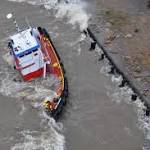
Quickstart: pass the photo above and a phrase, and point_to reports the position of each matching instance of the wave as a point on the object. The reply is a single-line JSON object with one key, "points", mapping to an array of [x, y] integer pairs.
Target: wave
{"points": [[47, 139], [124, 95], [49, 136], [72, 9]]}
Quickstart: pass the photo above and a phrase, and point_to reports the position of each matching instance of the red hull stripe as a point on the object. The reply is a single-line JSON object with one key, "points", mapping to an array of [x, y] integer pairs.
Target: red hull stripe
{"points": [[33, 75], [54, 66]]}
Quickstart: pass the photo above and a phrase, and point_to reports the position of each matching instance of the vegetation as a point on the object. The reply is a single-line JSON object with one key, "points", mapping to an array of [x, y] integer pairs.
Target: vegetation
{"points": [[116, 18], [148, 4]]}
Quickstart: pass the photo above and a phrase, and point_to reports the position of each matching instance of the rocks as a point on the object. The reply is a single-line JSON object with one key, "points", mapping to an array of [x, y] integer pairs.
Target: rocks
{"points": [[128, 35], [108, 24], [110, 36], [144, 74], [127, 58], [136, 30], [146, 92], [137, 69], [93, 46], [134, 97]]}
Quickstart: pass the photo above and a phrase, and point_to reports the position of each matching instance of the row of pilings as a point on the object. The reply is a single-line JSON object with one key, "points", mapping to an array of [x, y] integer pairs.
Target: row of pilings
{"points": [[116, 69]]}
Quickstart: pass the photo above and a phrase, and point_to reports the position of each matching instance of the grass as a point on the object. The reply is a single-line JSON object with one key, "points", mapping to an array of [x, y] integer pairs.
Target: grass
{"points": [[116, 18]]}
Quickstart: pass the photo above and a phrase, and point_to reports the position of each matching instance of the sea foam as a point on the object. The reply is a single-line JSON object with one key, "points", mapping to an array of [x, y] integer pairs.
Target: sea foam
{"points": [[74, 10]]}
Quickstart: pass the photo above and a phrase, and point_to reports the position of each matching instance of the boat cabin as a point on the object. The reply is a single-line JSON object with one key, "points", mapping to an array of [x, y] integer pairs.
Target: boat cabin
{"points": [[27, 53]]}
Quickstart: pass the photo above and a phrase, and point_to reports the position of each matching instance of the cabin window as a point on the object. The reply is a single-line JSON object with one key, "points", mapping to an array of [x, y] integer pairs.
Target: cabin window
{"points": [[35, 50], [21, 56], [27, 53], [15, 49], [35, 54]]}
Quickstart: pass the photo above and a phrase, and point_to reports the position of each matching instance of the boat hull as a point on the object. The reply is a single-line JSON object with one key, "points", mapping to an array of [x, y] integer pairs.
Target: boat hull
{"points": [[33, 75], [56, 68], [51, 61]]}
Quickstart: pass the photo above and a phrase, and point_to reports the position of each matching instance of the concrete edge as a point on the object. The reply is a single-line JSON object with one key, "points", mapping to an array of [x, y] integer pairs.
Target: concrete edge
{"points": [[120, 71]]}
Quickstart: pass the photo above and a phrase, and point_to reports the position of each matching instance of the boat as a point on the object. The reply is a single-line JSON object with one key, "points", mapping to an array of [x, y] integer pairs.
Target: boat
{"points": [[35, 56]]}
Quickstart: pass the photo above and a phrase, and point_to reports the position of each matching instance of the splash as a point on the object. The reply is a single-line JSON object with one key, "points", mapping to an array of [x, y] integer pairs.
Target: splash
{"points": [[11, 85], [47, 139], [74, 10], [75, 14], [119, 95]]}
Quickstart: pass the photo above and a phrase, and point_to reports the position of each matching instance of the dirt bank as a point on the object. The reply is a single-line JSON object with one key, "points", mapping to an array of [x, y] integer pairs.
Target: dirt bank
{"points": [[124, 26]]}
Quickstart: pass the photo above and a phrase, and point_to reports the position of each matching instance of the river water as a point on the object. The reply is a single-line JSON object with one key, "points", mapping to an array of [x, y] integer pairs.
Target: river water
{"points": [[98, 114]]}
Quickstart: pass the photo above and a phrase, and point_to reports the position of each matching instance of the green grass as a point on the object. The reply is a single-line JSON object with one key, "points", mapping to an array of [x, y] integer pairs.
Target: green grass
{"points": [[116, 18]]}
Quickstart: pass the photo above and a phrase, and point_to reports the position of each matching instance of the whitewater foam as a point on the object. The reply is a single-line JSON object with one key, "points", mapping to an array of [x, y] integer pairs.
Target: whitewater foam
{"points": [[72, 9], [11, 85], [47, 140], [75, 13], [123, 94], [48, 137]]}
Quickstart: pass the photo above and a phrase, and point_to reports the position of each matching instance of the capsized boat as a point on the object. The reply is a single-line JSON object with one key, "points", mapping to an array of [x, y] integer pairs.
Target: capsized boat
{"points": [[35, 56]]}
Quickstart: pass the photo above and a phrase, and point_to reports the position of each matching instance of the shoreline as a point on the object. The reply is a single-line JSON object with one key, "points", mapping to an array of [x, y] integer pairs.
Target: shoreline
{"points": [[120, 30], [117, 68]]}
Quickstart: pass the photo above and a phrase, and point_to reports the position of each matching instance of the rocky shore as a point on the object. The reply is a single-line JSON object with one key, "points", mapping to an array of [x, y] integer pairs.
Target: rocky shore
{"points": [[122, 28]]}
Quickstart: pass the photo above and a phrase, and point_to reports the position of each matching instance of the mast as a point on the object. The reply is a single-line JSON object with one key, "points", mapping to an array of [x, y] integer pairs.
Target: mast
{"points": [[13, 17], [27, 22]]}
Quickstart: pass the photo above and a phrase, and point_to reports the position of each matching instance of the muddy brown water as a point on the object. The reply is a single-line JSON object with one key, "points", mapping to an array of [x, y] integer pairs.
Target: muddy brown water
{"points": [[91, 120]]}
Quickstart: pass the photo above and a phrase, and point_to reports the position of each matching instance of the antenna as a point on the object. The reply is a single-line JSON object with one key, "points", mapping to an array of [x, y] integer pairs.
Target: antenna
{"points": [[12, 16], [27, 22]]}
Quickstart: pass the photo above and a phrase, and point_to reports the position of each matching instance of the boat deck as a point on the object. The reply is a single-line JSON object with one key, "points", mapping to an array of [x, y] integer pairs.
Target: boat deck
{"points": [[54, 66]]}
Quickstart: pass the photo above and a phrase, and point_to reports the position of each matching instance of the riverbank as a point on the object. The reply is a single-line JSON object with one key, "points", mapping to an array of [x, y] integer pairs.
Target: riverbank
{"points": [[122, 27], [92, 119]]}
